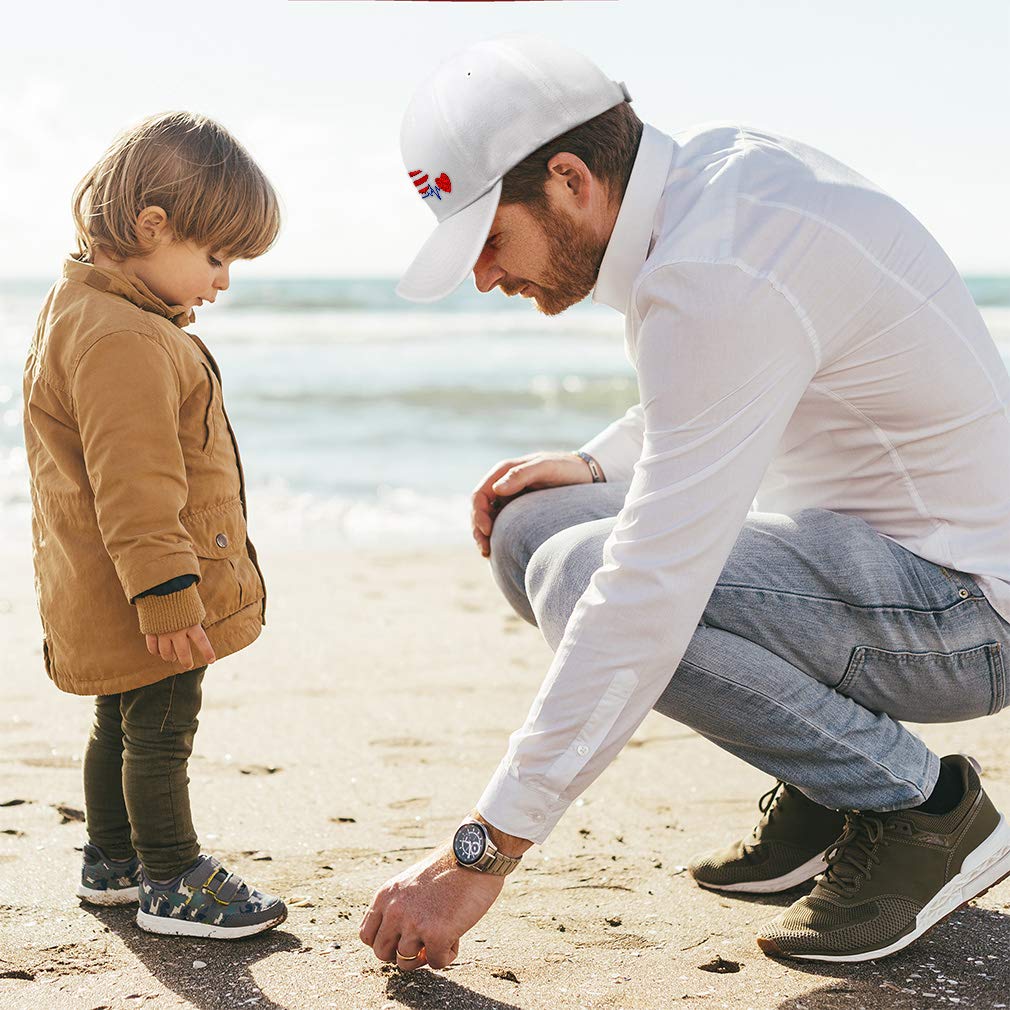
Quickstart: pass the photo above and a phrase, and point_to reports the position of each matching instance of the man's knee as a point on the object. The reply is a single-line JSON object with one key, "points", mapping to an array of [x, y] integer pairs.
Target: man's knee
{"points": [[558, 573], [510, 553]]}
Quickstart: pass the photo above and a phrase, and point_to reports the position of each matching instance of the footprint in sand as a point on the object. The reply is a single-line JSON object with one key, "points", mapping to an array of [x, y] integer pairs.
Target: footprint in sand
{"points": [[399, 741], [412, 803], [259, 769]]}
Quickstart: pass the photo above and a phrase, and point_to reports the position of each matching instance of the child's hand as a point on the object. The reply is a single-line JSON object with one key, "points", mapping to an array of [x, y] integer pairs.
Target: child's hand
{"points": [[179, 645]]}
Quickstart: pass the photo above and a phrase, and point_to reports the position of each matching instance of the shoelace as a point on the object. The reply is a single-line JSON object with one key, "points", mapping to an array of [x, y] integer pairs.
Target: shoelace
{"points": [[768, 806], [852, 858]]}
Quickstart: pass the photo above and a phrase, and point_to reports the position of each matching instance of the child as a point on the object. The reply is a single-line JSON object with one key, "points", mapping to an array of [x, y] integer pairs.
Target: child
{"points": [[142, 565]]}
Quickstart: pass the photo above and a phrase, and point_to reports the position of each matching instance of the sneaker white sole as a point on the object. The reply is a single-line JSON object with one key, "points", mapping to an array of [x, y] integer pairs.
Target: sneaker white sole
{"points": [[983, 868], [183, 927], [120, 896], [794, 878]]}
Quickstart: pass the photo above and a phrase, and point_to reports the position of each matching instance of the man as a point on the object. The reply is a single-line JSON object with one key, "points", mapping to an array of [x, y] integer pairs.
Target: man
{"points": [[799, 536]]}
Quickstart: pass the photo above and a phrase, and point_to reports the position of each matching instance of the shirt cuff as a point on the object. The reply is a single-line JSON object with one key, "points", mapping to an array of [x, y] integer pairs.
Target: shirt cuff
{"points": [[518, 809], [161, 615]]}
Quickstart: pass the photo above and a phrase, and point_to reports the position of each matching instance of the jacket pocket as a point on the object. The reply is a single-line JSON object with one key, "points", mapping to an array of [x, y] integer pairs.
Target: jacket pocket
{"points": [[210, 415], [228, 578], [927, 686]]}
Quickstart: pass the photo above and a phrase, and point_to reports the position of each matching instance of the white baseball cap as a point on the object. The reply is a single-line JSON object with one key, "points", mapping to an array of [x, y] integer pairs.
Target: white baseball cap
{"points": [[478, 115]]}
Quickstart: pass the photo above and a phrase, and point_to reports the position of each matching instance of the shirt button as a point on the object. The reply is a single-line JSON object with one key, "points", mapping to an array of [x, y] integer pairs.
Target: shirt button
{"points": [[583, 749], [537, 816], [221, 540]]}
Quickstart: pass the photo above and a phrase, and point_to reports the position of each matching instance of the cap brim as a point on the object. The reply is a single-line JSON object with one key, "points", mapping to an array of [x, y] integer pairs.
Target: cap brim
{"points": [[451, 251]]}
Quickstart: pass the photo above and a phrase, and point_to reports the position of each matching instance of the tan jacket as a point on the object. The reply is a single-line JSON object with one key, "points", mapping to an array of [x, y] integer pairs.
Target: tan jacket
{"points": [[135, 479]]}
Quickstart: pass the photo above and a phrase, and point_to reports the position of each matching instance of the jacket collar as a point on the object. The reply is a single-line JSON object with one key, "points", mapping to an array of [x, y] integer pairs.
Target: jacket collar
{"points": [[133, 289], [631, 240]]}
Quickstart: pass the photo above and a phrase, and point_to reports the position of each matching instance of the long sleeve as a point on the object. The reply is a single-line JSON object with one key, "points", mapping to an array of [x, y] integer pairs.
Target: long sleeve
{"points": [[126, 398], [723, 359], [618, 447]]}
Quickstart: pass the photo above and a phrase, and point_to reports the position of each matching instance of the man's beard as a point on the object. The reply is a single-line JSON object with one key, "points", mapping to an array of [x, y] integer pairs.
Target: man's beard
{"points": [[573, 263]]}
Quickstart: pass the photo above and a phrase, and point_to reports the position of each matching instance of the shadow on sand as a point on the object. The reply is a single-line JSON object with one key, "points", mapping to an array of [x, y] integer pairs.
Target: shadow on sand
{"points": [[227, 981], [428, 990], [948, 964]]}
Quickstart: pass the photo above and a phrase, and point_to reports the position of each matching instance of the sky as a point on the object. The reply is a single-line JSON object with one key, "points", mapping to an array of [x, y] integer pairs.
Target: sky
{"points": [[913, 94]]}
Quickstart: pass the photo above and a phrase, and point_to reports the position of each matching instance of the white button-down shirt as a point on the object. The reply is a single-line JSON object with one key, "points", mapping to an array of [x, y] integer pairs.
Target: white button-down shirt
{"points": [[800, 340]]}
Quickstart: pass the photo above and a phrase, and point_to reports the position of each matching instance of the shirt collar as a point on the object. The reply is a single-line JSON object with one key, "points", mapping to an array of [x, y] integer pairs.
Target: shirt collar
{"points": [[131, 288], [631, 238]]}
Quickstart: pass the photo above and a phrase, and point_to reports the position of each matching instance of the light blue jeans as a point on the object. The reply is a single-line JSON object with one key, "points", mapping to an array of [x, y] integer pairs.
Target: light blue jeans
{"points": [[819, 636]]}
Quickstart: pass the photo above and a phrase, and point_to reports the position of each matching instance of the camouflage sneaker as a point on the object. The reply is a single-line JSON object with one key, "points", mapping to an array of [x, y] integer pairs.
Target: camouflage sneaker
{"points": [[894, 875], [785, 848], [206, 900], [106, 881]]}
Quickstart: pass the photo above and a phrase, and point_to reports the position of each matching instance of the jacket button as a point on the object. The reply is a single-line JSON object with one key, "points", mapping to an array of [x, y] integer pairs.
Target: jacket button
{"points": [[221, 540]]}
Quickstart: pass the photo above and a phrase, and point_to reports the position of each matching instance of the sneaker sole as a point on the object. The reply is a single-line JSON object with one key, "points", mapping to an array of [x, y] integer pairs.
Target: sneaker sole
{"points": [[182, 927], [119, 896], [983, 869], [794, 878]]}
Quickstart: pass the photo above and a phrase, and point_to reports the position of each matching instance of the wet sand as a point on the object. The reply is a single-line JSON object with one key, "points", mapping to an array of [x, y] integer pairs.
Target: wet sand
{"points": [[353, 736]]}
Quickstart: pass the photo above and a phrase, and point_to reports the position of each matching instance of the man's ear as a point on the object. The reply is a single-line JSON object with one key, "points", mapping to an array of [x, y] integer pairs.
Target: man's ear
{"points": [[574, 176], [152, 226]]}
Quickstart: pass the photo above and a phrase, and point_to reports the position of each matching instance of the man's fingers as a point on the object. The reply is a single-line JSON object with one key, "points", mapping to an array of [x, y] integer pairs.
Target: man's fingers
{"points": [[409, 952], [152, 644], [441, 956], [483, 544], [202, 642], [493, 474], [386, 939], [480, 514], [370, 926], [517, 479], [165, 648]]}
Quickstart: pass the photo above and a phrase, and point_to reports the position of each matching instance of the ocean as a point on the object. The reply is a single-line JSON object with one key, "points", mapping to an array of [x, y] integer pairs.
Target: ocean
{"points": [[365, 419]]}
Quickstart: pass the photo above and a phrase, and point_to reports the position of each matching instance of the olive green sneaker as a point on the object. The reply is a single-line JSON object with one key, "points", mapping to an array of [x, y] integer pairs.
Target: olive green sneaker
{"points": [[892, 876], [785, 848]]}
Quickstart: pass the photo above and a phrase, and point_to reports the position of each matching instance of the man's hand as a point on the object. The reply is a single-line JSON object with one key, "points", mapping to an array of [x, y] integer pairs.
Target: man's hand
{"points": [[512, 477], [178, 645], [426, 909]]}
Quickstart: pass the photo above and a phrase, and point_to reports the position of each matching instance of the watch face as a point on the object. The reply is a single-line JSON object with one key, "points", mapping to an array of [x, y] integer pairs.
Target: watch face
{"points": [[469, 844]]}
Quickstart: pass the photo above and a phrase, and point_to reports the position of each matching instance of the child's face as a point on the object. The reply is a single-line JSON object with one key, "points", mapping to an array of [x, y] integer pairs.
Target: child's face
{"points": [[180, 273]]}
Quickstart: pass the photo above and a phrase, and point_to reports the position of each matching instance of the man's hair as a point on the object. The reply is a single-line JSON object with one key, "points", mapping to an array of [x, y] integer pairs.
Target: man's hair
{"points": [[607, 143], [211, 189]]}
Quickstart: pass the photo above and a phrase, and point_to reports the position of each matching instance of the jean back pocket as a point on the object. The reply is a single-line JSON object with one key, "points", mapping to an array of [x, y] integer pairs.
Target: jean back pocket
{"points": [[927, 686]]}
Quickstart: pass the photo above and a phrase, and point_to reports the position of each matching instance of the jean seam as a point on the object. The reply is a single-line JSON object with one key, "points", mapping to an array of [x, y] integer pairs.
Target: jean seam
{"points": [[901, 608], [819, 729], [851, 670], [998, 678]]}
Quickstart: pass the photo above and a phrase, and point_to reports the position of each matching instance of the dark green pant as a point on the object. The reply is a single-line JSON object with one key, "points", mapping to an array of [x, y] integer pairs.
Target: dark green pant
{"points": [[136, 786]]}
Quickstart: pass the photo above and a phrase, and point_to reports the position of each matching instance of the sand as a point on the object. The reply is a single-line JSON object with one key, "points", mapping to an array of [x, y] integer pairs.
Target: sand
{"points": [[353, 736]]}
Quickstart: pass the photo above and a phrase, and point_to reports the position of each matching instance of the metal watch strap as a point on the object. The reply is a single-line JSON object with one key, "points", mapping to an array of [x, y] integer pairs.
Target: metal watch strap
{"points": [[501, 864], [594, 467]]}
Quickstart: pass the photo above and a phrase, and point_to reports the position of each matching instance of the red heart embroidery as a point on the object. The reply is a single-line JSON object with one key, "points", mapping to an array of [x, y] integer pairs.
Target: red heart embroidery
{"points": [[443, 183]]}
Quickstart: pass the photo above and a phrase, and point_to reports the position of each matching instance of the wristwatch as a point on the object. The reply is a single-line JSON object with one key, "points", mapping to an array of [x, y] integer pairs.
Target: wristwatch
{"points": [[474, 850]]}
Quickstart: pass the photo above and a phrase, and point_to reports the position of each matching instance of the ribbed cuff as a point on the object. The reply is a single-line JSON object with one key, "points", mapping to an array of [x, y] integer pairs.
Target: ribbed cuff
{"points": [[161, 615]]}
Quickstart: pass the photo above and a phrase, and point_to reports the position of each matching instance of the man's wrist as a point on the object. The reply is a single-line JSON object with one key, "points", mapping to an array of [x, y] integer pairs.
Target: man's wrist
{"points": [[508, 845]]}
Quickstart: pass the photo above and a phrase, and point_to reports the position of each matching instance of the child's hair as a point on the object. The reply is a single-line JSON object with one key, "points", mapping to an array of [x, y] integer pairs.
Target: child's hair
{"points": [[211, 189]]}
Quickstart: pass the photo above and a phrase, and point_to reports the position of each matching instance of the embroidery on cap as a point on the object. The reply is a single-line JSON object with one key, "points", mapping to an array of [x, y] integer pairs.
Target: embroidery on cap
{"points": [[441, 185]]}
